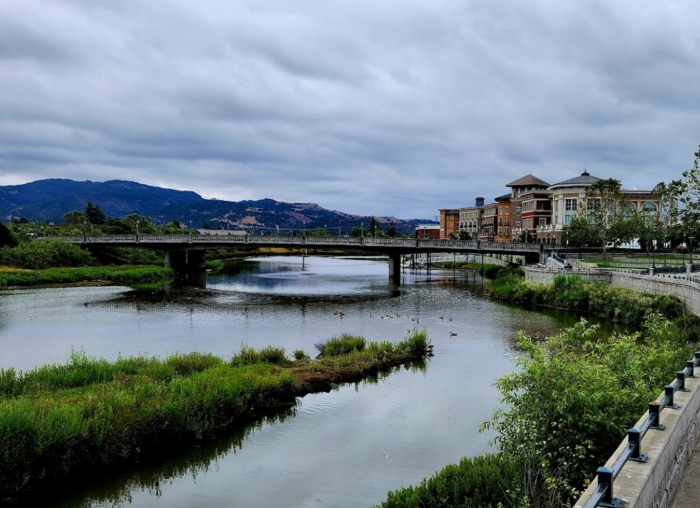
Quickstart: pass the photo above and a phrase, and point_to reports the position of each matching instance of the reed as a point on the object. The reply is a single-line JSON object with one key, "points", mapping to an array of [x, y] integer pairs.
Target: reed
{"points": [[90, 412], [115, 274]]}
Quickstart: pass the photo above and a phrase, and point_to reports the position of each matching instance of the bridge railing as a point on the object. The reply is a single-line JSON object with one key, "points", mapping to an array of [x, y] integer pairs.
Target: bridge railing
{"points": [[603, 494], [475, 245]]}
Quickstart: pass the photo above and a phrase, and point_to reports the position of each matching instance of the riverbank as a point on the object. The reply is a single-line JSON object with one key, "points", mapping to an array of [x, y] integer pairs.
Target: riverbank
{"points": [[123, 274], [570, 401], [89, 413]]}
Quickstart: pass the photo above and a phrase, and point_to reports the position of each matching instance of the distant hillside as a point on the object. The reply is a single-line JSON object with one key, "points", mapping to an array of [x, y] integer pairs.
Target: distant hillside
{"points": [[49, 200]]}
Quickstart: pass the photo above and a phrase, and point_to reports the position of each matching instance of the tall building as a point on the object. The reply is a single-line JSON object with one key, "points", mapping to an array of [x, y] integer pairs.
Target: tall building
{"points": [[470, 219]]}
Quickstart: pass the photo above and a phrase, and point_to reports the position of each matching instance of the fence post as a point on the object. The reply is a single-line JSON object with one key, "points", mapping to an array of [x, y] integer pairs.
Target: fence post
{"points": [[656, 415], [634, 437], [680, 376], [690, 365], [668, 392], [605, 479]]}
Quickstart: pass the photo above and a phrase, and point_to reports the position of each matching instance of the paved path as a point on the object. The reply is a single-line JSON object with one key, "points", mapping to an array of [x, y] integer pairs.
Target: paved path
{"points": [[688, 495]]}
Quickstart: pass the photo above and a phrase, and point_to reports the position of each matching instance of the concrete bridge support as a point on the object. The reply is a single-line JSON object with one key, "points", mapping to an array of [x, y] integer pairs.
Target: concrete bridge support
{"points": [[185, 262], [395, 269]]}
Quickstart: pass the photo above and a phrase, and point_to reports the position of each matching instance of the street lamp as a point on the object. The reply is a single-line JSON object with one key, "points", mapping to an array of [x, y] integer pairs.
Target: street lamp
{"points": [[665, 248], [691, 251], [653, 252]]}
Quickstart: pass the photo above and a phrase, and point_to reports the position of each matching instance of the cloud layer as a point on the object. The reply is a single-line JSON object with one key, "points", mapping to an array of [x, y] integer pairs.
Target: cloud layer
{"points": [[384, 107]]}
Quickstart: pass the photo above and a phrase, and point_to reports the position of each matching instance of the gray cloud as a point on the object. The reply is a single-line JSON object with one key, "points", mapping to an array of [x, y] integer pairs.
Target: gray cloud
{"points": [[386, 108]]}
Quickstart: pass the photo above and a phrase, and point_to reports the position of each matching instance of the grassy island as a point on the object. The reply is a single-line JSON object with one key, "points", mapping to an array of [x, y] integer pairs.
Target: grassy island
{"points": [[89, 413], [125, 274]]}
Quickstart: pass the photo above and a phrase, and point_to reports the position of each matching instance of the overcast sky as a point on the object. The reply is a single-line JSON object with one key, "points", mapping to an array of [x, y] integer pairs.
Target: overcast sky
{"points": [[380, 107]]}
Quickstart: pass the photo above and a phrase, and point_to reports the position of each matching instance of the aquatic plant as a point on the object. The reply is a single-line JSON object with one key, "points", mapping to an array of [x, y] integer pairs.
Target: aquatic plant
{"points": [[342, 345], [90, 412]]}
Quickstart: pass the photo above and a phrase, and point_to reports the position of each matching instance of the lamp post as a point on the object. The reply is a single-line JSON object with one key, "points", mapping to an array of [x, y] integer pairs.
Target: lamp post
{"points": [[690, 252], [665, 248], [683, 250], [653, 252]]}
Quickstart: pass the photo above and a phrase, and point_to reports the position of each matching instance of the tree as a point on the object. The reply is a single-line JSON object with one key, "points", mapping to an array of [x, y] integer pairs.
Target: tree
{"points": [[7, 239], [139, 223], [391, 231], [603, 199], [681, 199], [74, 219], [580, 233], [95, 215], [373, 227]]}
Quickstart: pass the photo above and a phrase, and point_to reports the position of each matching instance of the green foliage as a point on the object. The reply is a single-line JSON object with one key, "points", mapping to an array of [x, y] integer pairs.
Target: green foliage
{"points": [[94, 214], [573, 397], [7, 239], [479, 482], [45, 254], [90, 412], [115, 274], [300, 354], [342, 345], [570, 291]]}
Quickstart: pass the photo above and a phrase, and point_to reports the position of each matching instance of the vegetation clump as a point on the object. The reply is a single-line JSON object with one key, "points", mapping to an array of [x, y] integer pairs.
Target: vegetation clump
{"points": [[572, 292], [88, 413], [342, 345], [567, 407], [125, 274]]}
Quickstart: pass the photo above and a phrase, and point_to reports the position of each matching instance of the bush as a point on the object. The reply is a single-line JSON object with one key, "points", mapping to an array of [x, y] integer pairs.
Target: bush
{"points": [[45, 254], [479, 482], [342, 345], [573, 398]]}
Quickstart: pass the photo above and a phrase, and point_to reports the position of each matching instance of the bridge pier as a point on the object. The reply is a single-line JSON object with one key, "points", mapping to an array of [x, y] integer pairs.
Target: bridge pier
{"points": [[395, 269], [186, 262]]}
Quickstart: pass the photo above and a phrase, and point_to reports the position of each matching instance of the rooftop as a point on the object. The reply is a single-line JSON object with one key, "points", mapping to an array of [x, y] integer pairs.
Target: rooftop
{"points": [[528, 181]]}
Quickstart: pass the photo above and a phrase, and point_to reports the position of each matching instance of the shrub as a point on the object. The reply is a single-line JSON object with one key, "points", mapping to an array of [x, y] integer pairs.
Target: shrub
{"points": [[480, 482], [342, 345]]}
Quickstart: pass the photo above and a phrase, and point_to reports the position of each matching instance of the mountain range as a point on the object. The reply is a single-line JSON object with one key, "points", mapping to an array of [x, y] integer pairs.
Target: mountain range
{"points": [[48, 200]]}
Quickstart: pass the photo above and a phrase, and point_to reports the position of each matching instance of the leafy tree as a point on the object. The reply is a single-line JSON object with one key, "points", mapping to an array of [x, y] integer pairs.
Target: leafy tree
{"points": [[95, 215], [603, 200], [6, 237], [139, 223], [681, 199], [373, 227], [357, 231], [391, 231], [74, 220], [580, 233]]}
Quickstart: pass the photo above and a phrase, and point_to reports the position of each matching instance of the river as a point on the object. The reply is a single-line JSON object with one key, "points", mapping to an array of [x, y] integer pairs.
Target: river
{"points": [[346, 448]]}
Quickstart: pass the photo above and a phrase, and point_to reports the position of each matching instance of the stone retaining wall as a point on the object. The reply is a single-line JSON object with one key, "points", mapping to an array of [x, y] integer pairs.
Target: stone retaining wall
{"points": [[687, 291]]}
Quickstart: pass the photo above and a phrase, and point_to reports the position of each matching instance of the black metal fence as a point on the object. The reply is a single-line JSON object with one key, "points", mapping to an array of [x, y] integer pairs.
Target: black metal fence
{"points": [[603, 495]]}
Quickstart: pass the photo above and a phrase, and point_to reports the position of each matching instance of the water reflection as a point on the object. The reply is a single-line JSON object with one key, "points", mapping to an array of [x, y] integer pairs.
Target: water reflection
{"points": [[162, 469], [344, 448]]}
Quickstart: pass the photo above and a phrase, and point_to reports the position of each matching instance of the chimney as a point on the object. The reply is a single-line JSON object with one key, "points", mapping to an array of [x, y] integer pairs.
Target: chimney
{"points": [[479, 201]]}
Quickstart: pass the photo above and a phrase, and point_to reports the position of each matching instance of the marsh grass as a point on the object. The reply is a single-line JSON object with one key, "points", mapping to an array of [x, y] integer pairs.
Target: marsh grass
{"points": [[89, 412], [125, 274], [342, 345]]}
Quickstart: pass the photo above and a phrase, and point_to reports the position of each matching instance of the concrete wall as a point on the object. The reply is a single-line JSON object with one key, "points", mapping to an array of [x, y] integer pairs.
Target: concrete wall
{"points": [[688, 291]]}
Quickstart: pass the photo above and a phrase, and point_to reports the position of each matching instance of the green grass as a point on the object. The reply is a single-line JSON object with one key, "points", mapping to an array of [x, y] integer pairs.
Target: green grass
{"points": [[125, 274], [90, 412]]}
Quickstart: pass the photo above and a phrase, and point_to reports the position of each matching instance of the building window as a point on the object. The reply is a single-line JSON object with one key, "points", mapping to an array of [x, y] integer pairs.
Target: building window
{"points": [[593, 203], [649, 207], [543, 221], [567, 219], [570, 204]]}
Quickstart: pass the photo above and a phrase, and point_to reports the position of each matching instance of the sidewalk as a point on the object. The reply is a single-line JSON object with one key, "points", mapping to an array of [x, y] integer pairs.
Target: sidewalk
{"points": [[688, 494]]}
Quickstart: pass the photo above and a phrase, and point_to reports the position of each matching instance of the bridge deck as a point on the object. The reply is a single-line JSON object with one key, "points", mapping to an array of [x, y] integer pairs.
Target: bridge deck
{"points": [[384, 245]]}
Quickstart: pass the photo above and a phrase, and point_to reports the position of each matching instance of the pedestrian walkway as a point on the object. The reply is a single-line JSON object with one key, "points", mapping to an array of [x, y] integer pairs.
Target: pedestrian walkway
{"points": [[688, 494]]}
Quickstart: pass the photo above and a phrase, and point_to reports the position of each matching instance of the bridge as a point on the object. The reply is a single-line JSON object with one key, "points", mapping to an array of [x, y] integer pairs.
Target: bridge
{"points": [[186, 253]]}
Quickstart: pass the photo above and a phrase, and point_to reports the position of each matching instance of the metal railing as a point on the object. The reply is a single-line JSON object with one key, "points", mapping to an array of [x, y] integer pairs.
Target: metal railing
{"points": [[603, 495], [412, 243]]}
